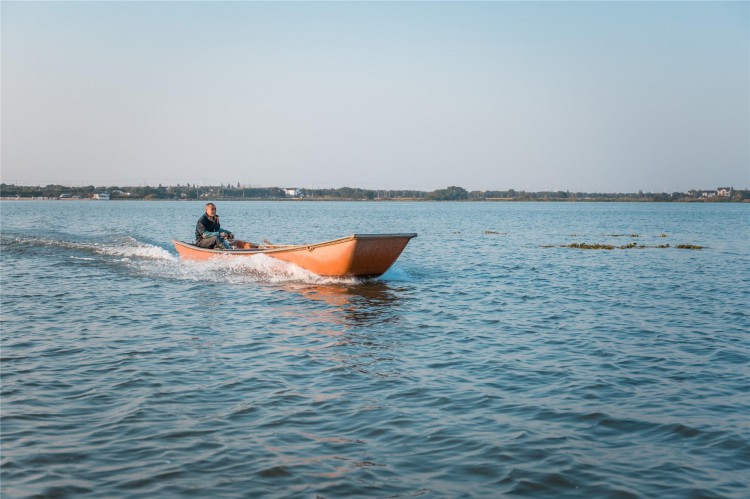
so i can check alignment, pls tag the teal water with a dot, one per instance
(489, 361)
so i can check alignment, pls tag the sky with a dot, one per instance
(578, 96)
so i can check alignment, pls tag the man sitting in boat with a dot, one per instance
(208, 231)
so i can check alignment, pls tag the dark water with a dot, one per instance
(481, 365)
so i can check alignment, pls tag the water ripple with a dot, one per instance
(478, 366)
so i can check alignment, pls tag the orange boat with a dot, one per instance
(358, 255)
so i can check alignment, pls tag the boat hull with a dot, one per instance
(358, 255)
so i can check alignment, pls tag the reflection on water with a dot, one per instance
(360, 317)
(355, 306)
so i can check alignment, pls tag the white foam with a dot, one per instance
(141, 250)
(258, 268)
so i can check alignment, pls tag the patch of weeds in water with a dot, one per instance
(624, 246)
(493, 232)
(631, 245)
(588, 246)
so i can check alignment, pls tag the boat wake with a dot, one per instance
(143, 258)
(125, 247)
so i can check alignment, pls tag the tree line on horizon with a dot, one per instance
(451, 193)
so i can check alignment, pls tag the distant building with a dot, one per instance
(724, 192)
(101, 196)
(64, 196)
(293, 192)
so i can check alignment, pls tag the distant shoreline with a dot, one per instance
(451, 193)
(397, 200)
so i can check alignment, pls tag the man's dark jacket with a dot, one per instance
(205, 224)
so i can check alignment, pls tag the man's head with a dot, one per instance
(210, 209)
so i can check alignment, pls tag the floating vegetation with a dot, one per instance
(624, 246)
(588, 246)
(498, 233)
(632, 245)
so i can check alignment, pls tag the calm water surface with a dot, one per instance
(489, 361)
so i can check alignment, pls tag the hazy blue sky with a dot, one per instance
(588, 96)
